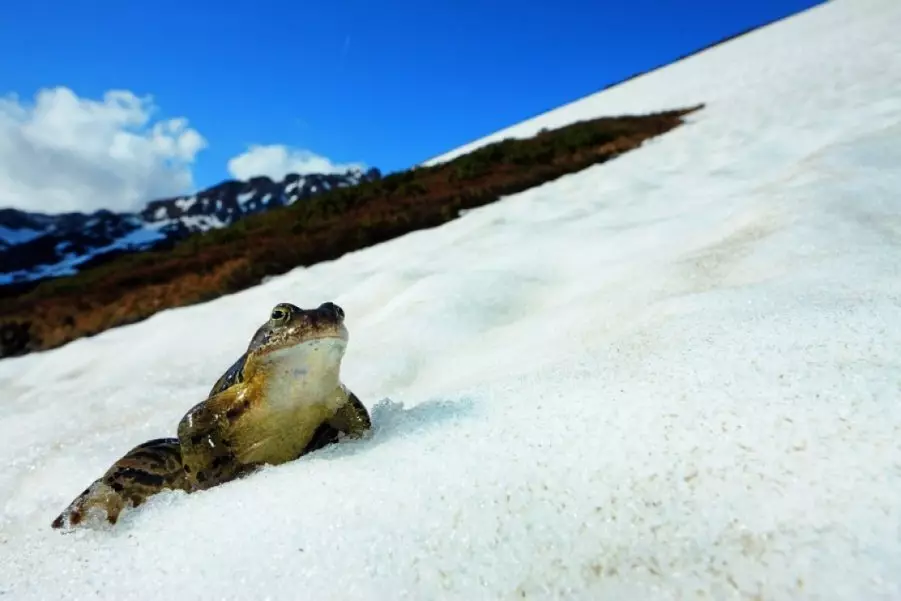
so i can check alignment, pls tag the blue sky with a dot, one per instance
(387, 84)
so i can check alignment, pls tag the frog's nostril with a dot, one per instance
(333, 309)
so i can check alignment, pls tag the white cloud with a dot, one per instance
(65, 153)
(277, 160)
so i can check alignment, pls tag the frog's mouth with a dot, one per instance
(304, 333)
(304, 372)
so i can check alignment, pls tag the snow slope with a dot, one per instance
(671, 376)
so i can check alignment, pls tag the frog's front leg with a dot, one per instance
(352, 420)
(209, 449)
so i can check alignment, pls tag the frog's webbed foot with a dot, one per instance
(149, 468)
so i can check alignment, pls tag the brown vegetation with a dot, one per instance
(206, 266)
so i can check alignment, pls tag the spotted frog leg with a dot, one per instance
(147, 469)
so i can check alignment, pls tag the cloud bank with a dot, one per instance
(65, 153)
(277, 160)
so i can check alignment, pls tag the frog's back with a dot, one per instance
(235, 374)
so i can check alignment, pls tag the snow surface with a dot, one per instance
(18, 236)
(671, 376)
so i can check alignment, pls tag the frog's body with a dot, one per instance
(283, 398)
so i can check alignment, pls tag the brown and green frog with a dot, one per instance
(282, 398)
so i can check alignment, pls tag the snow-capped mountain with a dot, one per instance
(36, 245)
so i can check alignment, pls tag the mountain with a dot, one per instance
(34, 246)
(131, 288)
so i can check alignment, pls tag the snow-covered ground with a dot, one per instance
(671, 376)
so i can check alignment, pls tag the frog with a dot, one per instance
(280, 400)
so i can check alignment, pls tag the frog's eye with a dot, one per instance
(278, 314)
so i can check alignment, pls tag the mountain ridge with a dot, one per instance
(35, 246)
(203, 267)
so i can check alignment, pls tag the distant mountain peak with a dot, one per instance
(35, 246)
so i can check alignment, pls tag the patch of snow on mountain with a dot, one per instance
(18, 236)
(67, 264)
(139, 237)
(202, 223)
(186, 203)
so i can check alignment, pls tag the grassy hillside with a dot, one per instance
(204, 267)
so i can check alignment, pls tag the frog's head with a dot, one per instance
(305, 342)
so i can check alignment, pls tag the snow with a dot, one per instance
(671, 376)
(293, 190)
(186, 203)
(18, 236)
(64, 266)
(201, 223)
(68, 263)
(160, 214)
(244, 197)
(136, 238)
